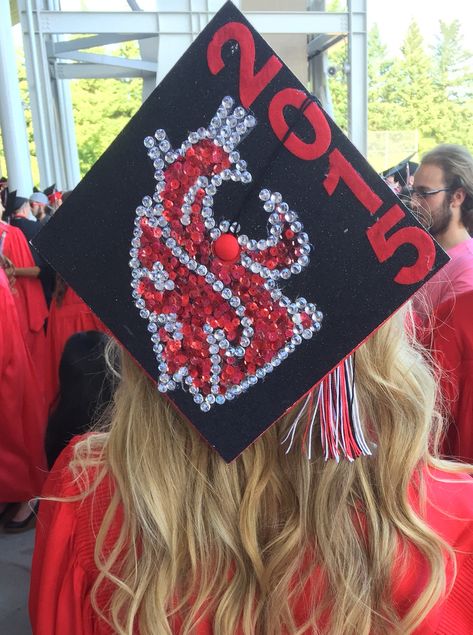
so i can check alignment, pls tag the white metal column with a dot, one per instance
(51, 105)
(358, 75)
(65, 116)
(12, 119)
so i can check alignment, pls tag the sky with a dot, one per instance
(393, 18)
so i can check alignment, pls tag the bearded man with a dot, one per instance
(442, 198)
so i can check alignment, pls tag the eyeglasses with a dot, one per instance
(421, 193)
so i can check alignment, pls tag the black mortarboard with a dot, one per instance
(402, 171)
(13, 202)
(50, 190)
(227, 218)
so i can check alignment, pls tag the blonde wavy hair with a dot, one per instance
(237, 542)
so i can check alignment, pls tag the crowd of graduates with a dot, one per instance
(39, 313)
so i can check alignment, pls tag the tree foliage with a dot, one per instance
(427, 91)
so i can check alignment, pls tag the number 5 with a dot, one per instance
(384, 247)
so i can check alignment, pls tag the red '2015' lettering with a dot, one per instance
(385, 247)
(251, 83)
(313, 114)
(340, 168)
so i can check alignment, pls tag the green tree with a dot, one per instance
(102, 107)
(453, 79)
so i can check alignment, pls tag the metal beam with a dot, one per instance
(321, 42)
(174, 23)
(78, 44)
(109, 60)
(97, 71)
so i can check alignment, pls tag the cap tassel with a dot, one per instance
(340, 424)
(341, 431)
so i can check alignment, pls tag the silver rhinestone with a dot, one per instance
(303, 261)
(149, 142)
(198, 398)
(218, 286)
(205, 407)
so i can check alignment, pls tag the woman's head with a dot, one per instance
(235, 539)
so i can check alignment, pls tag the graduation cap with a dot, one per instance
(13, 203)
(402, 171)
(51, 192)
(238, 245)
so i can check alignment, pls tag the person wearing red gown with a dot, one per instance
(22, 411)
(28, 295)
(68, 315)
(443, 199)
(64, 569)
(79, 501)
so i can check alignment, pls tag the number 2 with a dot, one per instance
(251, 83)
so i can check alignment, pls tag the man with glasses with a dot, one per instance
(442, 198)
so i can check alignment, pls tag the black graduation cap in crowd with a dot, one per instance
(235, 241)
(48, 190)
(402, 171)
(13, 203)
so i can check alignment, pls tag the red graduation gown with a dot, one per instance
(64, 570)
(70, 317)
(451, 343)
(29, 297)
(22, 410)
(445, 308)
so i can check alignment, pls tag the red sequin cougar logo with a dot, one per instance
(218, 320)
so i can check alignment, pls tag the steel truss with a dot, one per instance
(163, 35)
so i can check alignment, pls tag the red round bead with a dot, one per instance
(226, 247)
